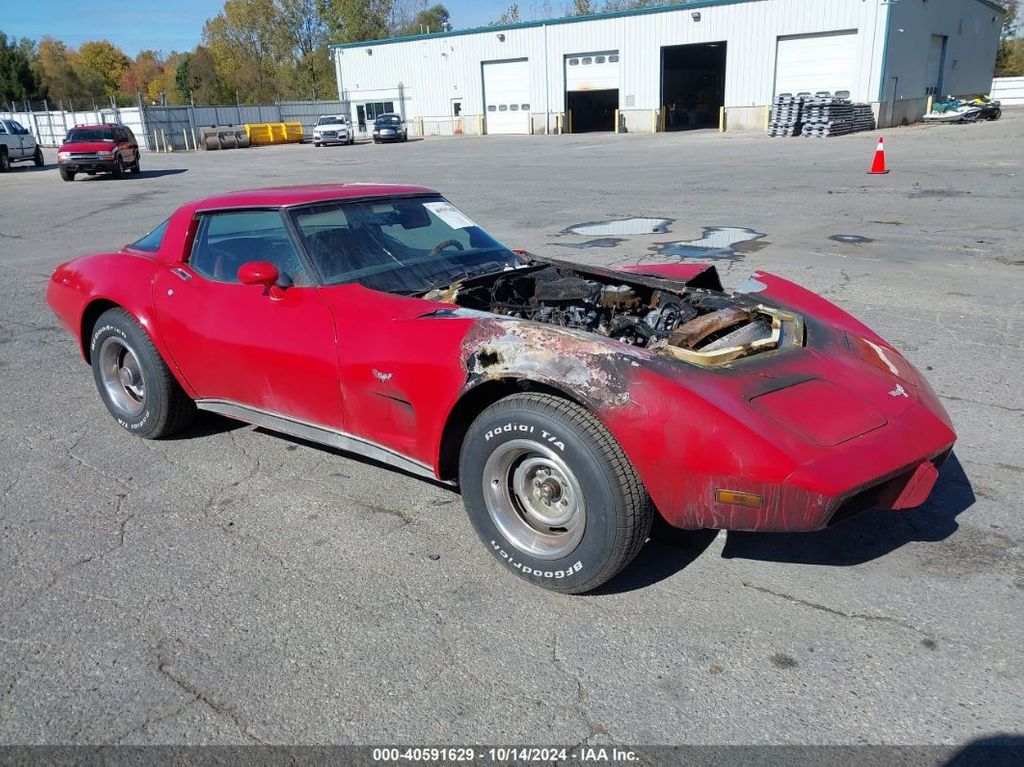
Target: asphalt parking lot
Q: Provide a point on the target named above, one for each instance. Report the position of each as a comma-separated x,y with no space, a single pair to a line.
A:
231,586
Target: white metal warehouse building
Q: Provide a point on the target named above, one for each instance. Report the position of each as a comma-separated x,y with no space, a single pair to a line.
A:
675,67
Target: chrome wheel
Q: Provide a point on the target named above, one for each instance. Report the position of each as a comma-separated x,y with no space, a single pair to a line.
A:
534,499
122,376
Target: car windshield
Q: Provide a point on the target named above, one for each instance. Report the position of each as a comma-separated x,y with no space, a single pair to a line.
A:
151,242
330,120
389,120
89,134
404,245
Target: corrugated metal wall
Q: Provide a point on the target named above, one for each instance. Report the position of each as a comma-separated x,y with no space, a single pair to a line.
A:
434,71
1009,90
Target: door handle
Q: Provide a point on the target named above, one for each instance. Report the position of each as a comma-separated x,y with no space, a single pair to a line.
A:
177,271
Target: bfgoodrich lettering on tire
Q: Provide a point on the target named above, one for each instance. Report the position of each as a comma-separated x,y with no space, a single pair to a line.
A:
133,380
551,493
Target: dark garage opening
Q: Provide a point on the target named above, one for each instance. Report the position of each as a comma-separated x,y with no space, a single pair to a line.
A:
692,85
592,110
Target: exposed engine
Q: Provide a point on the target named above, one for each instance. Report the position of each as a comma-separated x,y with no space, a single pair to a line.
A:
697,325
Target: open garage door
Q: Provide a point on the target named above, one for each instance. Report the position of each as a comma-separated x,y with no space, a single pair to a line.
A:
693,84
507,96
813,63
592,90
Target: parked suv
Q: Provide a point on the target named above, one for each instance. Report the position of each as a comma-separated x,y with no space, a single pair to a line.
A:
389,127
17,145
333,129
96,149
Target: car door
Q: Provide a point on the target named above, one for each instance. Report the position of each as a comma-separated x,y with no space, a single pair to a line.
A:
131,146
12,139
272,351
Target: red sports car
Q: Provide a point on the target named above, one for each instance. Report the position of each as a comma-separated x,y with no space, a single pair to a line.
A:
569,403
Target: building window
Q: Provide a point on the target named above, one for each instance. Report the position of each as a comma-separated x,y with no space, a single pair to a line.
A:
375,108
588,60
514,107
599,59
526,107
574,62
491,108
613,59
502,107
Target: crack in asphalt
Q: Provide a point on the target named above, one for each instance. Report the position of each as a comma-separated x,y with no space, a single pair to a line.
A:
951,398
582,703
832,611
196,693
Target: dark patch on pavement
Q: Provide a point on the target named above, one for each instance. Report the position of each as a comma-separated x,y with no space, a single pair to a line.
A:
601,242
851,239
621,227
715,242
781,660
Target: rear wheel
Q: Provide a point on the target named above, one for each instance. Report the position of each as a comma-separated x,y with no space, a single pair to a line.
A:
5,160
137,165
67,175
551,493
118,167
37,158
133,380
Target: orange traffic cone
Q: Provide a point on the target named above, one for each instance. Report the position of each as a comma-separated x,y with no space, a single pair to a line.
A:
878,166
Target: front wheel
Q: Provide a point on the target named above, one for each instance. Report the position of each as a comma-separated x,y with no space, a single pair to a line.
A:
67,175
551,493
37,158
5,162
133,380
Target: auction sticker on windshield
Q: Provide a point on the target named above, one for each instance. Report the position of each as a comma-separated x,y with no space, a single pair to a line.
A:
451,215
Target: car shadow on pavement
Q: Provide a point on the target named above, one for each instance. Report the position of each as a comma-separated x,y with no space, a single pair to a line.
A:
991,751
867,536
666,552
207,424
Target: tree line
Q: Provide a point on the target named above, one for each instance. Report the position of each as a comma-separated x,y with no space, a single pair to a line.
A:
261,51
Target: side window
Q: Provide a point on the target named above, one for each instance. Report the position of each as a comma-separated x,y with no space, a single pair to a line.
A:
225,241
3,129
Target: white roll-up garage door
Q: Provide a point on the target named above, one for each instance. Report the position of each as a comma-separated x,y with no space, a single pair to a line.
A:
592,71
507,96
812,63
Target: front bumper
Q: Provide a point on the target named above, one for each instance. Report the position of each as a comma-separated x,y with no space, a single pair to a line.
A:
388,136
894,467
89,166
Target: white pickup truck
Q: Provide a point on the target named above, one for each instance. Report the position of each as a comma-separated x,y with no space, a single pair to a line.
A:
17,145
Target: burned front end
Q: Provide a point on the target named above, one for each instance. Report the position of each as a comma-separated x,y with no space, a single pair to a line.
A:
695,321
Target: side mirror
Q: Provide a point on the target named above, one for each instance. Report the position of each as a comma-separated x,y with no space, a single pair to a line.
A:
258,273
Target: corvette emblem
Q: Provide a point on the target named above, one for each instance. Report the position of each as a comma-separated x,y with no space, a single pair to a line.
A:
382,377
898,391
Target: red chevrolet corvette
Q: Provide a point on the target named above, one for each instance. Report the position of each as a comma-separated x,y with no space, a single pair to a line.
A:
569,403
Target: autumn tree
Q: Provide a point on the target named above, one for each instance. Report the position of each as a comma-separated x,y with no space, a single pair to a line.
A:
356,20
1010,58
147,67
18,81
100,65
433,19
303,38
242,40
510,16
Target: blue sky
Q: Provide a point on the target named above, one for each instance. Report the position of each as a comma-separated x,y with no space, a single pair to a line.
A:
167,25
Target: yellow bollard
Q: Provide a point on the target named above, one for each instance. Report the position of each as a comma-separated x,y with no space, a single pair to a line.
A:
721,119
767,118
616,120
928,108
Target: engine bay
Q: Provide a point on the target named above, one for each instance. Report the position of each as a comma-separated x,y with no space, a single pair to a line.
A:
693,324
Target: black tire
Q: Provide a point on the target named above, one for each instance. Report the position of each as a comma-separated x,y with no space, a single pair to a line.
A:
315,143
136,167
5,161
590,548
67,175
37,158
163,407
118,167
